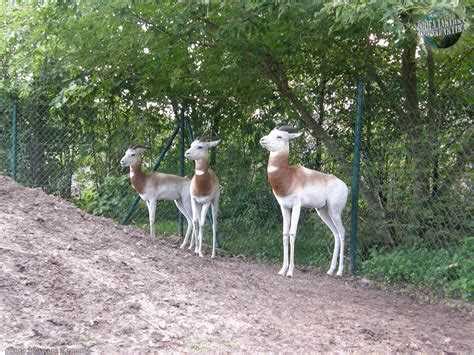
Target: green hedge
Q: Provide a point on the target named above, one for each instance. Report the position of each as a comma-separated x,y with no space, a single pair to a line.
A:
449,270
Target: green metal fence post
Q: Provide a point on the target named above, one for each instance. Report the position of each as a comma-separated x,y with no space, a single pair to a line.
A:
14,141
164,150
181,162
356,175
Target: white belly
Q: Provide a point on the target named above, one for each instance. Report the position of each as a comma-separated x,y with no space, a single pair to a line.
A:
160,194
289,201
307,199
202,200
147,196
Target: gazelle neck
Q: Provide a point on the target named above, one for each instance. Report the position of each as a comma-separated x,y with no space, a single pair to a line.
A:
137,177
136,170
201,167
277,160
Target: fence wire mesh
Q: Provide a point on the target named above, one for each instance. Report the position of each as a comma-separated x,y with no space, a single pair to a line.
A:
416,207
45,149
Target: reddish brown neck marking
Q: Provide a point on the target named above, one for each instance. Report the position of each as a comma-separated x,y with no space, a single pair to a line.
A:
137,177
203,182
281,176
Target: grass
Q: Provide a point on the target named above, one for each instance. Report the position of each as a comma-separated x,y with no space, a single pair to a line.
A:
264,242
449,271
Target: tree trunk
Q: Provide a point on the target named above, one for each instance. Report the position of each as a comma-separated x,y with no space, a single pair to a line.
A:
413,123
433,120
318,147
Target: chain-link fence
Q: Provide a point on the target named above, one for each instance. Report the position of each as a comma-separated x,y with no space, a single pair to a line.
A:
416,215
48,148
416,201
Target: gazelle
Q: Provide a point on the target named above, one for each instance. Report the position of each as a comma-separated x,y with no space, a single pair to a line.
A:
295,187
158,186
204,191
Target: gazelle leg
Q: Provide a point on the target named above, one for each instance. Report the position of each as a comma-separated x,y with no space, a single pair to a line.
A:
189,231
295,216
215,211
188,220
324,214
193,236
286,214
202,221
335,215
196,209
151,204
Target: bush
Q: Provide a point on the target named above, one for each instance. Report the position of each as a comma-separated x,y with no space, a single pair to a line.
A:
111,199
449,270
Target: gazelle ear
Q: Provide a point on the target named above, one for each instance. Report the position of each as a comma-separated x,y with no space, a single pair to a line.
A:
213,143
294,135
140,149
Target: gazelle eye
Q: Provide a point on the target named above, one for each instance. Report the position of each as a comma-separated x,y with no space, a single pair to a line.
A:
133,154
200,147
279,137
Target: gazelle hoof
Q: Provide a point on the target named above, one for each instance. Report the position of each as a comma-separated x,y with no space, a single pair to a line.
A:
330,272
282,271
182,246
339,273
289,274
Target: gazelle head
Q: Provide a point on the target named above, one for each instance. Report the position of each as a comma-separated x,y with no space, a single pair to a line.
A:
278,139
199,149
132,156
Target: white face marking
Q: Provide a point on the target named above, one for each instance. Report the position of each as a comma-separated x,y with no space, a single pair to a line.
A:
199,150
199,172
131,157
277,140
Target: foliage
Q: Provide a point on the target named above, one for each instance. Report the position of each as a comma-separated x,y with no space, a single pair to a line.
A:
449,270
90,78
105,200
113,198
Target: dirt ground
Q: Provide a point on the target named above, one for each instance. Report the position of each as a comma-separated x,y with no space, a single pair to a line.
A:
72,280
